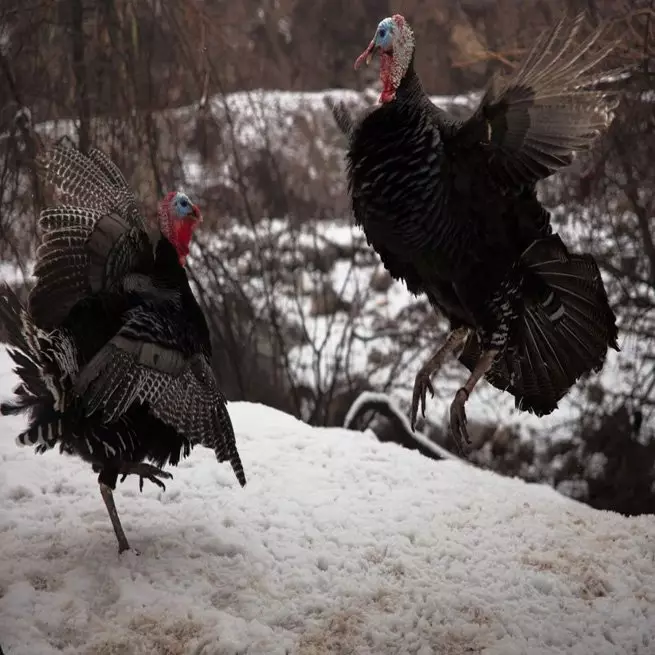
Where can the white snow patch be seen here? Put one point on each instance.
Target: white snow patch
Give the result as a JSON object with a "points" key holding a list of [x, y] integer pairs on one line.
{"points": [[11, 274], [371, 396], [337, 544], [596, 465]]}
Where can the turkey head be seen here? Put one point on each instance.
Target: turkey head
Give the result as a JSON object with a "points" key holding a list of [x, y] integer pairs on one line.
{"points": [[178, 217], [394, 40]]}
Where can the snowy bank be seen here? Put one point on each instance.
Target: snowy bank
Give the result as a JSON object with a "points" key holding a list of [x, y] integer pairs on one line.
{"points": [[339, 544]]}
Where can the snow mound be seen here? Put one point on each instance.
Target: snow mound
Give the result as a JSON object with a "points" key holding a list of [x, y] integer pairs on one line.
{"points": [[339, 544]]}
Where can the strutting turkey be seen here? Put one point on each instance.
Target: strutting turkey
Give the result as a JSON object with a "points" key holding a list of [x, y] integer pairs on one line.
{"points": [[451, 208], [113, 351]]}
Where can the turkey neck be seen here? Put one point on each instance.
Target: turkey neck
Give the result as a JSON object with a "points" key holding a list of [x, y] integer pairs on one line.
{"points": [[399, 174], [171, 274], [410, 90]]}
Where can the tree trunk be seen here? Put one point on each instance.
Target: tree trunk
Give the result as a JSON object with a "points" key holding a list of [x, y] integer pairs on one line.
{"points": [[79, 71]]}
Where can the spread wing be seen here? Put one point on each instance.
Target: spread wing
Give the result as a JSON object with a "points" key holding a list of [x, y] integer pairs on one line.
{"points": [[532, 122], [92, 241], [344, 118], [152, 359]]}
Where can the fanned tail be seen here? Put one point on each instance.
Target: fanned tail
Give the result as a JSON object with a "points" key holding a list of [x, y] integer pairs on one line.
{"points": [[564, 332], [91, 181], [86, 239]]}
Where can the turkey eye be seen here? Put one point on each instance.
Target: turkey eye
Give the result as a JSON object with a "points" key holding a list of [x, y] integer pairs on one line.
{"points": [[382, 33], [184, 203]]}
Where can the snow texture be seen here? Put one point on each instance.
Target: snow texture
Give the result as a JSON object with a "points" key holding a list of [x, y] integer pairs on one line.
{"points": [[339, 544], [383, 398]]}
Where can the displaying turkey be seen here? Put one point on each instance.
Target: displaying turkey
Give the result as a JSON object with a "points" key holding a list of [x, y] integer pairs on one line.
{"points": [[451, 208], [113, 351]]}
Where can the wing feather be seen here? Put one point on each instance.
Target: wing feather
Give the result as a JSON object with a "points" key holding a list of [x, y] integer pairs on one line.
{"points": [[534, 120], [180, 390]]}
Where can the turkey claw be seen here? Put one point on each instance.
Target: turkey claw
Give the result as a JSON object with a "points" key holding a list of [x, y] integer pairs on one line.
{"points": [[458, 422], [422, 385], [146, 472]]}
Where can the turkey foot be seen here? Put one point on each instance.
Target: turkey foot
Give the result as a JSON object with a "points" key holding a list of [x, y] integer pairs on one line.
{"points": [[145, 472], [457, 413], [422, 383], [458, 421]]}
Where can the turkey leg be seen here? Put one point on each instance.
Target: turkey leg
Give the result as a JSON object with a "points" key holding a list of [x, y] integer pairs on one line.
{"points": [[144, 471], [108, 497], [457, 413], [422, 383]]}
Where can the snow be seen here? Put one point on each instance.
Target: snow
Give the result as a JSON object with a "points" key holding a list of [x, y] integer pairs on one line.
{"points": [[383, 398], [339, 544], [10, 274]]}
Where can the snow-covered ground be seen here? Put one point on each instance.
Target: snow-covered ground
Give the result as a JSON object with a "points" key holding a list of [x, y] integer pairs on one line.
{"points": [[339, 544]]}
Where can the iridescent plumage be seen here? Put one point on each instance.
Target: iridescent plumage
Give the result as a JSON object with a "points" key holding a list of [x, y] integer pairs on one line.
{"points": [[113, 351], [451, 208]]}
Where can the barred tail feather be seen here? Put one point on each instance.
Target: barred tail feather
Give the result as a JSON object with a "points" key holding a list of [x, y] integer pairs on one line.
{"points": [[62, 263], [563, 334], [227, 448], [43, 362], [92, 181], [31, 389], [45, 430]]}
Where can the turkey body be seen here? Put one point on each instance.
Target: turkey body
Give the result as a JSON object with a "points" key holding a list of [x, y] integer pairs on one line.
{"points": [[451, 208], [113, 351], [167, 316], [437, 222]]}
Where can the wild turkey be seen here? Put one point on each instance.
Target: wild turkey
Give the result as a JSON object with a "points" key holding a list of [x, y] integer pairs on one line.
{"points": [[451, 208], [114, 354]]}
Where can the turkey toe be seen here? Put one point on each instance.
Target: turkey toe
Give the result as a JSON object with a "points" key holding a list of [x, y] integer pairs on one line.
{"points": [[422, 385], [458, 421], [145, 472]]}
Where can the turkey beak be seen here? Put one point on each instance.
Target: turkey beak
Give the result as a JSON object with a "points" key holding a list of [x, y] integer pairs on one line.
{"points": [[196, 213], [366, 56]]}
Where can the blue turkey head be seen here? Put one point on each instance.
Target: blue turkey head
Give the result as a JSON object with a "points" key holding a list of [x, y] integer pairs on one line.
{"points": [[394, 41]]}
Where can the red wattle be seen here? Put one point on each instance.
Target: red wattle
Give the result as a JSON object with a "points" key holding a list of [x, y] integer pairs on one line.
{"points": [[182, 233], [388, 86]]}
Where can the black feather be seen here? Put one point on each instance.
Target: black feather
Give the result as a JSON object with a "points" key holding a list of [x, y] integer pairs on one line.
{"points": [[451, 208], [114, 352]]}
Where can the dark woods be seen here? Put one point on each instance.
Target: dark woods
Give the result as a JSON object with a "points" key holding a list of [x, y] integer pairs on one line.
{"points": [[153, 83]]}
